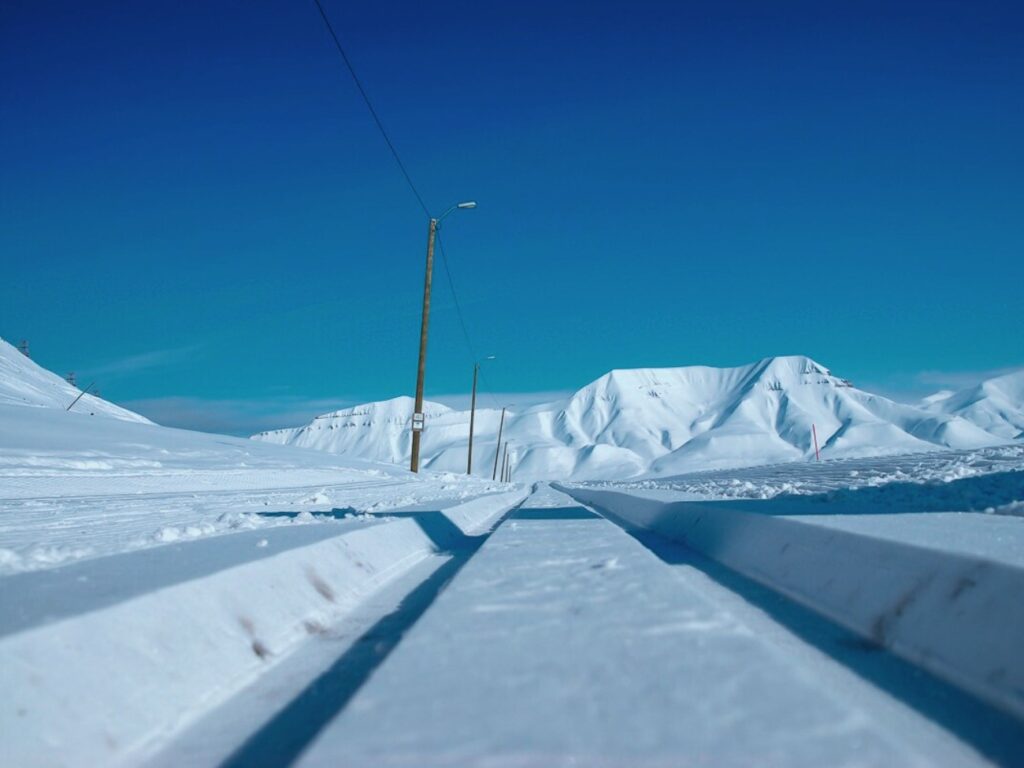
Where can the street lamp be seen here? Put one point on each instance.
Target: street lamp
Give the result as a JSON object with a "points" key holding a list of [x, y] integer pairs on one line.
{"points": [[418, 421], [472, 416]]}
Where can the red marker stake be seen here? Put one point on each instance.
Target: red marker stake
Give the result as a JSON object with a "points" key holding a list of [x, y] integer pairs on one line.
{"points": [[814, 431]]}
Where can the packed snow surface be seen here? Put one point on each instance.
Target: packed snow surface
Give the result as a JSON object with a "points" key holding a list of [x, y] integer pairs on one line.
{"points": [[665, 421], [565, 641]]}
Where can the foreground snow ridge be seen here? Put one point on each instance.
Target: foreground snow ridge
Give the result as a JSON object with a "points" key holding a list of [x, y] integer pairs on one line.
{"points": [[665, 421], [80, 646]]}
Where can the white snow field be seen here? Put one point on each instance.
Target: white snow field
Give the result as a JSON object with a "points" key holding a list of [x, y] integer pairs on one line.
{"points": [[172, 598], [663, 421]]}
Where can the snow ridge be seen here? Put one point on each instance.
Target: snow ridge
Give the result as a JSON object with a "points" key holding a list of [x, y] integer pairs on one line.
{"points": [[661, 421]]}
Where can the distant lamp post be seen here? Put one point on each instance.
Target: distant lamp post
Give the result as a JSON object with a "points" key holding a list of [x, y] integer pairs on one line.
{"points": [[418, 419], [472, 416]]}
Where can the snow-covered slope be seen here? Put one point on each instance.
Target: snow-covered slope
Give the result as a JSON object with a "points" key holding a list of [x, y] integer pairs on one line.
{"points": [[99, 480], [376, 431], [995, 405], [23, 382], [655, 420]]}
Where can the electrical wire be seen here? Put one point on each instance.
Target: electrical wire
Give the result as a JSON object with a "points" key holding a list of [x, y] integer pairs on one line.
{"points": [[369, 106], [455, 298], [408, 180], [458, 313]]}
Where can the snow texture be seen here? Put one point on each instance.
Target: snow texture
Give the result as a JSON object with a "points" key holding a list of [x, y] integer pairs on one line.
{"points": [[111, 657], [930, 587], [565, 642]]}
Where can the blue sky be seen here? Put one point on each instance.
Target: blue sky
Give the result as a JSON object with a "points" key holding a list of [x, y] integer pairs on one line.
{"points": [[197, 212]]}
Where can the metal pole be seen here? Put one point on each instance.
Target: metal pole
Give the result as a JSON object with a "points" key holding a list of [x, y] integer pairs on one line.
{"points": [[504, 461], [497, 450], [80, 396], [421, 369], [472, 418]]}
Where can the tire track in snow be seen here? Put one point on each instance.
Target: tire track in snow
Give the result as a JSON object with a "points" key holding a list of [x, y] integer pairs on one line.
{"points": [[282, 739]]}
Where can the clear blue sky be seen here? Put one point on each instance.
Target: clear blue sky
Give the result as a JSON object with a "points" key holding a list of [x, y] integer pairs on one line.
{"points": [[197, 211]]}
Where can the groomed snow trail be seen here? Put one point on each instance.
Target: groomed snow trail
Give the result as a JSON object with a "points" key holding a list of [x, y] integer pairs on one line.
{"points": [[566, 641]]}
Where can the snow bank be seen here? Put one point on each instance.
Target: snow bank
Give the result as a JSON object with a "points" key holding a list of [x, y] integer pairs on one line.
{"points": [[953, 609], [124, 666]]}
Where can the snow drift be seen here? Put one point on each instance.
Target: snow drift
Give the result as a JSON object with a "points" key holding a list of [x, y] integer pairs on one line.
{"points": [[658, 421]]}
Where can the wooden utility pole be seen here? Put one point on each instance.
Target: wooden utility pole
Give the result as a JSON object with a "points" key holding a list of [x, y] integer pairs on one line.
{"points": [[472, 419], [497, 450], [418, 420]]}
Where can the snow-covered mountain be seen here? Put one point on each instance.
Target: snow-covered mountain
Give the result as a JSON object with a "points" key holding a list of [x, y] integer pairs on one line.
{"points": [[996, 405], [24, 382], [661, 421]]}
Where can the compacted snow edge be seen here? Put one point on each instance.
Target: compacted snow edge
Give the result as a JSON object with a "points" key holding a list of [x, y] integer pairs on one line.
{"points": [[954, 614], [107, 686]]}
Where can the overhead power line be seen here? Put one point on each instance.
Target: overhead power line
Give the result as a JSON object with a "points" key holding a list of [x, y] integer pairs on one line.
{"points": [[462, 319], [455, 298], [369, 106], [408, 180]]}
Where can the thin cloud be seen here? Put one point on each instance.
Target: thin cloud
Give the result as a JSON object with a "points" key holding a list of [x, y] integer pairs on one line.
{"points": [[913, 387], [144, 361], [961, 379], [244, 417], [234, 416], [514, 400]]}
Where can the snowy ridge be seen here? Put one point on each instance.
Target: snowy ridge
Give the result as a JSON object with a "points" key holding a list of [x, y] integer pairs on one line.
{"points": [[996, 405], [658, 421], [24, 382], [928, 587]]}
